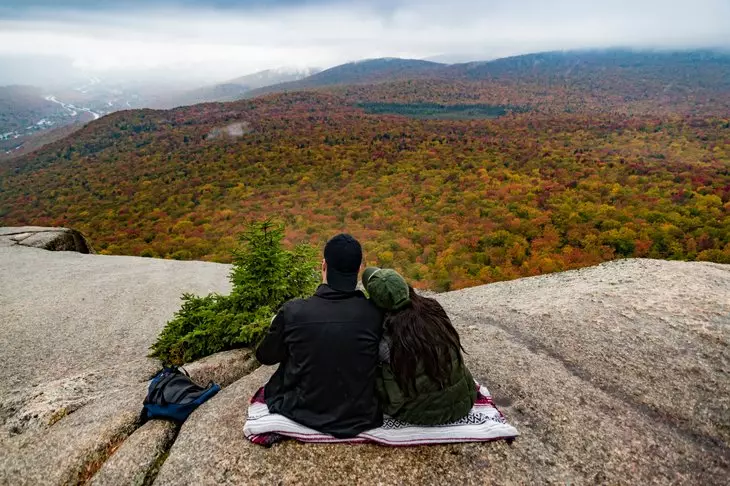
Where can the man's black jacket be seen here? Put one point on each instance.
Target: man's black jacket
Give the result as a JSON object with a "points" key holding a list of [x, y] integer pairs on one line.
{"points": [[327, 347]]}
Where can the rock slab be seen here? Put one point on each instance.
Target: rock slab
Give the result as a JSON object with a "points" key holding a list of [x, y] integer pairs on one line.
{"points": [[138, 459], [613, 374], [63, 314], [76, 330], [53, 239]]}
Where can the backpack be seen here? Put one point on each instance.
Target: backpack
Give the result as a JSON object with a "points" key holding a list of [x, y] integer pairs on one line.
{"points": [[173, 395]]}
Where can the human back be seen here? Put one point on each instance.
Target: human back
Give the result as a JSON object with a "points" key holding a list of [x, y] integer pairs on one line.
{"points": [[327, 350], [423, 378]]}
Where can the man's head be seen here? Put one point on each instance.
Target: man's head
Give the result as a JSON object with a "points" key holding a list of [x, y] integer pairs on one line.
{"points": [[342, 261]]}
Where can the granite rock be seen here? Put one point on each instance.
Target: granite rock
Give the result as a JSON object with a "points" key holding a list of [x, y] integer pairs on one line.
{"points": [[614, 374], [64, 314], [73, 367], [222, 368], [53, 239], [596, 368], [70, 450], [139, 457], [99, 437]]}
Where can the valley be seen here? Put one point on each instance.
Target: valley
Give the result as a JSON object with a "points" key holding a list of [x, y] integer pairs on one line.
{"points": [[69, 107], [31, 117], [73, 110], [509, 173], [544, 186]]}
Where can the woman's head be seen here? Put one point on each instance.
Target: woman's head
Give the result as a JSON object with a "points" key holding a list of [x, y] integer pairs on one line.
{"points": [[386, 288]]}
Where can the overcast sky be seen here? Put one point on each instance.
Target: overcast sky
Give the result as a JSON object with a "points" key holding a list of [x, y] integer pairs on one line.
{"points": [[221, 39]]}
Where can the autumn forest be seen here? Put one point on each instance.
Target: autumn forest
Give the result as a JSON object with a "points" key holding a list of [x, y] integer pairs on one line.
{"points": [[454, 179]]}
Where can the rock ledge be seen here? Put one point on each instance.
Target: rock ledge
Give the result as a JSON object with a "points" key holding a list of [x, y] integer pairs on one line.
{"points": [[53, 239], [618, 373]]}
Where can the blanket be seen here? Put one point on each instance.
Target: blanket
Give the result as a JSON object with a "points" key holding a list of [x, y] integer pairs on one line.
{"points": [[483, 423]]}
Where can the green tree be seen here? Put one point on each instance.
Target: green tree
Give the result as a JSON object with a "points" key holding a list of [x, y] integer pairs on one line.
{"points": [[264, 276]]}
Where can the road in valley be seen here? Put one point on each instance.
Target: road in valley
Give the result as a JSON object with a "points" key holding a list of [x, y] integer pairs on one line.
{"points": [[73, 110]]}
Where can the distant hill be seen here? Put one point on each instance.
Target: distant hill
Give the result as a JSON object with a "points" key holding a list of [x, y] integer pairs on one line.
{"points": [[360, 72], [565, 80], [636, 74], [236, 88], [273, 76], [595, 80], [577, 64]]}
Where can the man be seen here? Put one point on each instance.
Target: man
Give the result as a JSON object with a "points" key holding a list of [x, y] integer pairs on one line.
{"points": [[327, 350]]}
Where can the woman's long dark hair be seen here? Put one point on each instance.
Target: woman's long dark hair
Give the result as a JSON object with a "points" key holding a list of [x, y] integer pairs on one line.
{"points": [[422, 332]]}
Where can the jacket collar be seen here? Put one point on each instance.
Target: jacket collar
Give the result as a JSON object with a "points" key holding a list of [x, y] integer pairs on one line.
{"points": [[326, 292]]}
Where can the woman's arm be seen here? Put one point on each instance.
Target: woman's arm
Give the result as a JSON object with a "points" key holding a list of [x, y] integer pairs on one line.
{"points": [[392, 399]]}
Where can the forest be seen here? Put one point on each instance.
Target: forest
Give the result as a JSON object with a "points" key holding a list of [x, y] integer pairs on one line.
{"points": [[450, 202]]}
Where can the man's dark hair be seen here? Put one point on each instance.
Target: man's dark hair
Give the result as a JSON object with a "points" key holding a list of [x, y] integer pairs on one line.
{"points": [[343, 255]]}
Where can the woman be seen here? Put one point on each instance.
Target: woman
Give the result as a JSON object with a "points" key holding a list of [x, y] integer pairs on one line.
{"points": [[423, 377]]}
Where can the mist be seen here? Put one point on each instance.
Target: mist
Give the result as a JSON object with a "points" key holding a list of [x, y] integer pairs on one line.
{"points": [[192, 42]]}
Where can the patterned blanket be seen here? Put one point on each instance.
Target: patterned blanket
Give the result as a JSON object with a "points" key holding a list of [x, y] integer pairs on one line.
{"points": [[483, 423]]}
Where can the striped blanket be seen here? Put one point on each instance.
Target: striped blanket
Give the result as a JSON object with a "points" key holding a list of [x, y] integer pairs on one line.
{"points": [[483, 423]]}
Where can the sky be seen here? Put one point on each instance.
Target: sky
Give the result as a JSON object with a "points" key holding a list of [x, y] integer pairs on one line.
{"points": [[222, 39]]}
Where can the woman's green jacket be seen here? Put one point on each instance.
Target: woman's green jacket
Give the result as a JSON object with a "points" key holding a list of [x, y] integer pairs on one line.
{"points": [[429, 403]]}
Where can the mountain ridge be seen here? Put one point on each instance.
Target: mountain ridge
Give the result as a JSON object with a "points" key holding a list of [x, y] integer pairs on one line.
{"points": [[358, 72], [593, 74], [662, 80]]}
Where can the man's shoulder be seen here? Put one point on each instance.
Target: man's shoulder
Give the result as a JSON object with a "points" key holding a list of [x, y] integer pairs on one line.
{"points": [[371, 305], [317, 304], [293, 304]]}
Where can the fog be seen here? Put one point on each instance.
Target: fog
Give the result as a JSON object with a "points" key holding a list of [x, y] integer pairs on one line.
{"points": [[53, 41]]}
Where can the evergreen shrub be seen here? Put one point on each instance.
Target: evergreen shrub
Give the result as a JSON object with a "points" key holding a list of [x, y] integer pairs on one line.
{"points": [[264, 276]]}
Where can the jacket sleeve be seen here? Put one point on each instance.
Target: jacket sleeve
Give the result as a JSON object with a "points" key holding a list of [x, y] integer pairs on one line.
{"points": [[391, 396], [272, 349]]}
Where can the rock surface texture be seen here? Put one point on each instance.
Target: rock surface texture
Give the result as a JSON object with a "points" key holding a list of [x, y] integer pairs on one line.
{"points": [[613, 374]]}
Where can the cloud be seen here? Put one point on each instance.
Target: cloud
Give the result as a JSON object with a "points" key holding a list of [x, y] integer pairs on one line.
{"points": [[227, 38]]}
